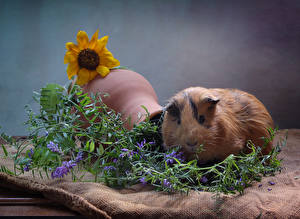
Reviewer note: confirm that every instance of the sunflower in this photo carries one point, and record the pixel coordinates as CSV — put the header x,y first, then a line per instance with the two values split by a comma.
x,y
88,58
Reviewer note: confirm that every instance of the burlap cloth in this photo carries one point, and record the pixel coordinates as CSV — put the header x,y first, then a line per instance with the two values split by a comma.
x,y
94,200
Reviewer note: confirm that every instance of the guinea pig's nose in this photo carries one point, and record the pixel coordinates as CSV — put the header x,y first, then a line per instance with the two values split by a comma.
x,y
191,143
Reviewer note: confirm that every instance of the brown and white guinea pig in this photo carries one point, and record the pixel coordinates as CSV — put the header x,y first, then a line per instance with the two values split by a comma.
x,y
210,124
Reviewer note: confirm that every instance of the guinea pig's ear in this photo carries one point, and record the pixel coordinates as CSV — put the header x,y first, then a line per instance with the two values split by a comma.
x,y
212,101
173,109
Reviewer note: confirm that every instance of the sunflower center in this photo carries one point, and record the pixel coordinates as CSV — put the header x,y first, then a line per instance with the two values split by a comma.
x,y
88,59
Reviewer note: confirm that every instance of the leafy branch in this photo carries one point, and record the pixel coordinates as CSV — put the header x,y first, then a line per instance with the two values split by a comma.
x,y
75,130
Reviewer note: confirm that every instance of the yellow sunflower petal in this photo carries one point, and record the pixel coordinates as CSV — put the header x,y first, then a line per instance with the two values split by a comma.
x,y
82,40
70,57
93,41
107,59
72,69
102,70
83,76
72,48
93,74
101,43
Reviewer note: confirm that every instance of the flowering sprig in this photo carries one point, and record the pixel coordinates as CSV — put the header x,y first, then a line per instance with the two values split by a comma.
x,y
79,157
64,169
54,147
27,167
169,157
167,184
109,168
203,179
141,144
66,166
143,180
127,152
121,157
28,164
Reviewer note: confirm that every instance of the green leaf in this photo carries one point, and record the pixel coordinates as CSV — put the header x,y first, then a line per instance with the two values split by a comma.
x,y
97,164
120,67
146,110
50,97
100,149
106,142
79,92
4,169
94,118
92,146
87,145
41,174
4,150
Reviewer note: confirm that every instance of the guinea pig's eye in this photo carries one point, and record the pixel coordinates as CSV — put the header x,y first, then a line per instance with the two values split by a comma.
x,y
201,119
178,120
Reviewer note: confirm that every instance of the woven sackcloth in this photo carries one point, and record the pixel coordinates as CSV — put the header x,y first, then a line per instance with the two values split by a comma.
x,y
95,200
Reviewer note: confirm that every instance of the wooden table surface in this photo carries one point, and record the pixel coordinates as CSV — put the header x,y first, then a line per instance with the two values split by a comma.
x,y
18,203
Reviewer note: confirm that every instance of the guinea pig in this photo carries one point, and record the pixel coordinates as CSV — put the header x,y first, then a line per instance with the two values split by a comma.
x,y
211,124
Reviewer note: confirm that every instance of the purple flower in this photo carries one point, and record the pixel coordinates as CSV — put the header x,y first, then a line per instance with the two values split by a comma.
x,y
30,153
169,157
115,160
79,157
240,182
167,183
203,179
143,180
109,168
170,161
269,189
46,133
148,173
53,147
64,169
231,188
129,153
69,164
260,185
60,172
26,168
271,183
142,144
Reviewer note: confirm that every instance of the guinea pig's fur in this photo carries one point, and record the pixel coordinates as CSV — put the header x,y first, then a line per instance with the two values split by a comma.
x,y
220,121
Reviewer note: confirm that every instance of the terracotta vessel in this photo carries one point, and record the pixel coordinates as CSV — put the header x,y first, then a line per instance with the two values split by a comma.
x,y
128,91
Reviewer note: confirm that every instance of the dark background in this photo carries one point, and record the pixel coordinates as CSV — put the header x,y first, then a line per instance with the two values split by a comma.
x,y
251,45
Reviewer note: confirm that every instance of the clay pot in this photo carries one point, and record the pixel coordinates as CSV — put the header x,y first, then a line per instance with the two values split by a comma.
x,y
128,91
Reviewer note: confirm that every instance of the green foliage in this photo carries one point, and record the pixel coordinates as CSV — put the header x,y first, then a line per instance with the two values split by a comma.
x,y
50,97
75,129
